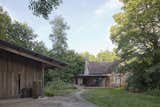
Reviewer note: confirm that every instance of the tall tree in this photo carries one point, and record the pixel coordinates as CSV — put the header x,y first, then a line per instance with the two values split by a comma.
x,y
58,36
137,35
43,7
60,51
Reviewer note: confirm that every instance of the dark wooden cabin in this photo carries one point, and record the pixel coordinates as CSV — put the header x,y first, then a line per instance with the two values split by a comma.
x,y
101,74
20,68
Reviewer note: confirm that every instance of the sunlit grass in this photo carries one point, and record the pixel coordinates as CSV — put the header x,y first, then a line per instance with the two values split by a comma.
x,y
120,98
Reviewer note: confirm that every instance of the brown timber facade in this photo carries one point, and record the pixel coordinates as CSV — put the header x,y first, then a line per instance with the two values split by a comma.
x,y
20,68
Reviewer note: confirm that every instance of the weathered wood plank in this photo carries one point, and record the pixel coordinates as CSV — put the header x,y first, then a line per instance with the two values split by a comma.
x,y
10,67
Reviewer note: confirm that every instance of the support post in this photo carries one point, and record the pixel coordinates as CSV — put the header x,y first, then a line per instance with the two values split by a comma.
x,y
43,69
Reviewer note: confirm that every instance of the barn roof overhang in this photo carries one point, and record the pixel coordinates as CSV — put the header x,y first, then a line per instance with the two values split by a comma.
x,y
20,51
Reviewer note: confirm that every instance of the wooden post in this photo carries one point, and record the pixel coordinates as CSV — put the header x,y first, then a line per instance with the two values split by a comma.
x,y
43,69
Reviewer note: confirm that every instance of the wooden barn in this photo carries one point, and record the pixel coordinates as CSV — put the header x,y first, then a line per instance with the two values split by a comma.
x,y
22,71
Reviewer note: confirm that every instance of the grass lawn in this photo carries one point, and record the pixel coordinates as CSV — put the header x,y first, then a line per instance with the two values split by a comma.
x,y
120,98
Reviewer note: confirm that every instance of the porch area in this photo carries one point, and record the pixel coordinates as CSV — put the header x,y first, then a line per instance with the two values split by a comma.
x,y
93,81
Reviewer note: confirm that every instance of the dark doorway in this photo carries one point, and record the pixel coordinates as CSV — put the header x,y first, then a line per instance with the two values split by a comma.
x,y
19,83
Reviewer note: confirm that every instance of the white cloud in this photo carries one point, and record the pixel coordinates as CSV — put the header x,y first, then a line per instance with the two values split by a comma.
x,y
108,6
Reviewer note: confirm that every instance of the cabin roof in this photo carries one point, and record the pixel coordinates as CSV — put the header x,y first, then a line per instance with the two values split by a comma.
x,y
102,68
20,51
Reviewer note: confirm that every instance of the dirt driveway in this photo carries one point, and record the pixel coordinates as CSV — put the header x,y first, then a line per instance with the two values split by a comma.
x,y
72,100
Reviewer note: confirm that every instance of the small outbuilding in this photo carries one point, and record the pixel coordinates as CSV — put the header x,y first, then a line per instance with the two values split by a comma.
x,y
22,71
101,74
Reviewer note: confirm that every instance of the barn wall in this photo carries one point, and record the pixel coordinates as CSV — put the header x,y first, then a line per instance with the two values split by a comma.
x,y
10,67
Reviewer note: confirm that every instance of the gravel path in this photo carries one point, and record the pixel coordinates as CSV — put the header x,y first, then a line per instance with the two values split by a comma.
x,y
72,100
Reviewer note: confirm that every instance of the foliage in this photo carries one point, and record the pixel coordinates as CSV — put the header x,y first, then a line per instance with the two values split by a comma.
x,y
58,36
106,56
16,32
60,51
153,92
137,35
58,88
101,56
43,7
75,66
5,22
21,34
40,47
89,56
120,98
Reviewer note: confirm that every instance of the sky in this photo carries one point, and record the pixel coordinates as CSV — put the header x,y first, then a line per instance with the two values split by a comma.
x,y
89,21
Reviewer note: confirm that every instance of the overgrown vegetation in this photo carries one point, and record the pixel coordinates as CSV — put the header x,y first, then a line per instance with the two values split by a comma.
x,y
153,92
137,34
56,88
120,98
75,66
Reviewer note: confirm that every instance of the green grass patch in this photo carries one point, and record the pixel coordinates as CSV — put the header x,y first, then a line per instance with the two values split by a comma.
x,y
120,98
58,88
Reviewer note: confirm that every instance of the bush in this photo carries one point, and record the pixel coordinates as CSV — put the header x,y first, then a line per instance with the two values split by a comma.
x,y
135,83
153,92
58,88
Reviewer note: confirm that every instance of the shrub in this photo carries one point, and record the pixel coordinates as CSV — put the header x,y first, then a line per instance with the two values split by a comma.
x,y
136,83
58,88
153,92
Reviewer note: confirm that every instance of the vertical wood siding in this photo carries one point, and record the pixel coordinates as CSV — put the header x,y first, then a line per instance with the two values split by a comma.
x,y
12,65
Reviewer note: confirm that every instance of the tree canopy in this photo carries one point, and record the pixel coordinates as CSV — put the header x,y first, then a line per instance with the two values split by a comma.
x,y
22,35
137,35
103,56
87,55
16,32
43,7
106,56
